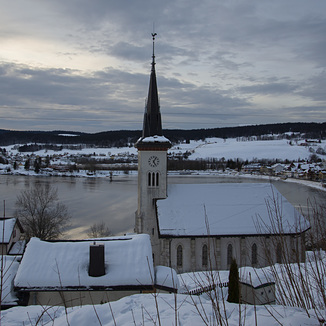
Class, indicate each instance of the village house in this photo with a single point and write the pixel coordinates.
(11, 233)
(198, 227)
(80, 272)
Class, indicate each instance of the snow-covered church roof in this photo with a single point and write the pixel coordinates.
(64, 265)
(225, 209)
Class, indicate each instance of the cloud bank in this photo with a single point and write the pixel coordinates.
(85, 66)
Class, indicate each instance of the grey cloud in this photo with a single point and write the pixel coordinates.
(220, 54)
(269, 88)
(315, 87)
(128, 51)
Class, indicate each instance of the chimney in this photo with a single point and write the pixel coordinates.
(96, 260)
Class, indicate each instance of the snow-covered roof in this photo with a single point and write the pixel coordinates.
(166, 277)
(256, 277)
(18, 248)
(54, 265)
(230, 209)
(155, 139)
(6, 229)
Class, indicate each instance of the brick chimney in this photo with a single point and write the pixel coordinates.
(96, 260)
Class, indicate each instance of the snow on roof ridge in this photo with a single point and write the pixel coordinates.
(154, 139)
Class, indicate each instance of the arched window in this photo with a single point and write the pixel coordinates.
(279, 253)
(229, 254)
(254, 254)
(204, 256)
(149, 179)
(153, 179)
(179, 256)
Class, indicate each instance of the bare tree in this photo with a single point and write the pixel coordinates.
(99, 230)
(300, 280)
(40, 212)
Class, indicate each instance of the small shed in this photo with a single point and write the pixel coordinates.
(258, 295)
(256, 287)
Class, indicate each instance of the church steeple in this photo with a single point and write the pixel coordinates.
(152, 117)
(152, 165)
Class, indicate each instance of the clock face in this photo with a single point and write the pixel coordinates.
(153, 161)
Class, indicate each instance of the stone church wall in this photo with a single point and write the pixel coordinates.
(255, 251)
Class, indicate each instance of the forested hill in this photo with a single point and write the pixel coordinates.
(122, 137)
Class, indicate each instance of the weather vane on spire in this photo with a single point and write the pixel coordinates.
(153, 36)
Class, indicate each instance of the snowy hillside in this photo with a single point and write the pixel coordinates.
(230, 148)
(248, 150)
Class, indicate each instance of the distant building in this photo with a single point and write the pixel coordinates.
(252, 168)
(198, 227)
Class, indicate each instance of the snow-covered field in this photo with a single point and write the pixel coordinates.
(230, 148)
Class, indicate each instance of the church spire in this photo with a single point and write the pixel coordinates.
(152, 118)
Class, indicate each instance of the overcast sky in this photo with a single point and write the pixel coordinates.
(84, 65)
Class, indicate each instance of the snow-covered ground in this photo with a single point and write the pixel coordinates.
(148, 309)
(230, 148)
(141, 309)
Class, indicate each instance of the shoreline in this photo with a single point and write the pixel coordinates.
(121, 174)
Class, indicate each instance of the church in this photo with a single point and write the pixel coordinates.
(204, 226)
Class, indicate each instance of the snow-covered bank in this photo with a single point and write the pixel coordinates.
(142, 310)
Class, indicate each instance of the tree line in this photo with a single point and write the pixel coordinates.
(123, 138)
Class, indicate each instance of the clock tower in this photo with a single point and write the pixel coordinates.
(152, 165)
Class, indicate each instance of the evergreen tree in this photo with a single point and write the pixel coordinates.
(27, 164)
(234, 289)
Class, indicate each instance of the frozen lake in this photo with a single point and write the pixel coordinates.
(92, 200)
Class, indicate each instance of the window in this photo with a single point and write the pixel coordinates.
(279, 253)
(229, 254)
(204, 255)
(153, 179)
(179, 256)
(157, 179)
(254, 254)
